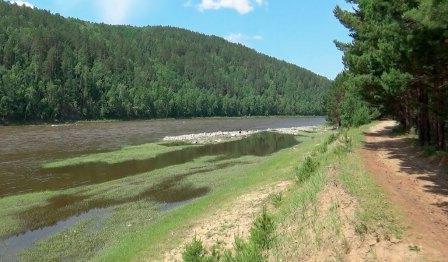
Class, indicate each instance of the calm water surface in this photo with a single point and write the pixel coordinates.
(24, 148)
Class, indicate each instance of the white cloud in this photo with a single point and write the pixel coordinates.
(242, 38)
(115, 11)
(241, 6)
(22, 3)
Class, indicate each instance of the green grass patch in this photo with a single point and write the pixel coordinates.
(139, 152)
(304, 231)
(307, 168)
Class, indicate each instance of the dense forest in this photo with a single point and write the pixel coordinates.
(396, 65)
(53, 68)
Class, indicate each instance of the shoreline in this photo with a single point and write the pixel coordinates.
(223, 136)
(112, 120)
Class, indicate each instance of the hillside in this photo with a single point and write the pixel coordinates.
(54, 68)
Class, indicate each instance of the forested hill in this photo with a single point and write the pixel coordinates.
(54, 68)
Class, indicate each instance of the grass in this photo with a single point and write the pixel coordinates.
(307, 228)
(299, 227)
(262, 235)
(139, 214)
(298, 212)
(139, 152)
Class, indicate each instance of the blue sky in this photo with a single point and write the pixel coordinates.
(297, 31)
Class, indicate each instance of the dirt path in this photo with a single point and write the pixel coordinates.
(414, 184)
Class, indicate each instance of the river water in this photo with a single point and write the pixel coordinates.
(24, 148)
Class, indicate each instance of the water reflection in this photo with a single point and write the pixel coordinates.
(261, 144)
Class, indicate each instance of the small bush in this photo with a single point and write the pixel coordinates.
(331, 138)
(415, 248)
(245, 251)
(322, 148)
(262, 232)
(345, 146)
(277, 199)
(194, 252)
(361, 229)
(308, 167)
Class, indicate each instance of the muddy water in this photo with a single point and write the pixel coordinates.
(24, 148)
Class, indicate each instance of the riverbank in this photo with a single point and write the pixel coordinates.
(109, 120)
(332, 210)
(347, 203)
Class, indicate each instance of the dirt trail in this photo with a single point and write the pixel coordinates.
(418, 186)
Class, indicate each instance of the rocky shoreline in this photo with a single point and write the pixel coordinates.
(221, 136)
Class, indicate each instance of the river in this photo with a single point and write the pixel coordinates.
(25, 148)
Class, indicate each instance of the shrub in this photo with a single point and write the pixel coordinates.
(277, 199)
(245, 251)
(262, 232)
(322, 148)
(194, 252)
(308, 167)
(331, 138)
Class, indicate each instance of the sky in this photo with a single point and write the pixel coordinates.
(297, 31)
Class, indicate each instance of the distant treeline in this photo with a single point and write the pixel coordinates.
(397, 65)
(54, 68)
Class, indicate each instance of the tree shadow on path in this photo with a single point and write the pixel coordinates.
(412, 161)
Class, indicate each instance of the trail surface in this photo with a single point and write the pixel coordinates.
(416, 185)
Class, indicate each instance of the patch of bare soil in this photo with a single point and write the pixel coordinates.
(232, 220)
(416, 185)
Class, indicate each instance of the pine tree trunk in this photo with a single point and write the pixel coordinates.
(441, 135)
(423, 124)
(441, 113)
